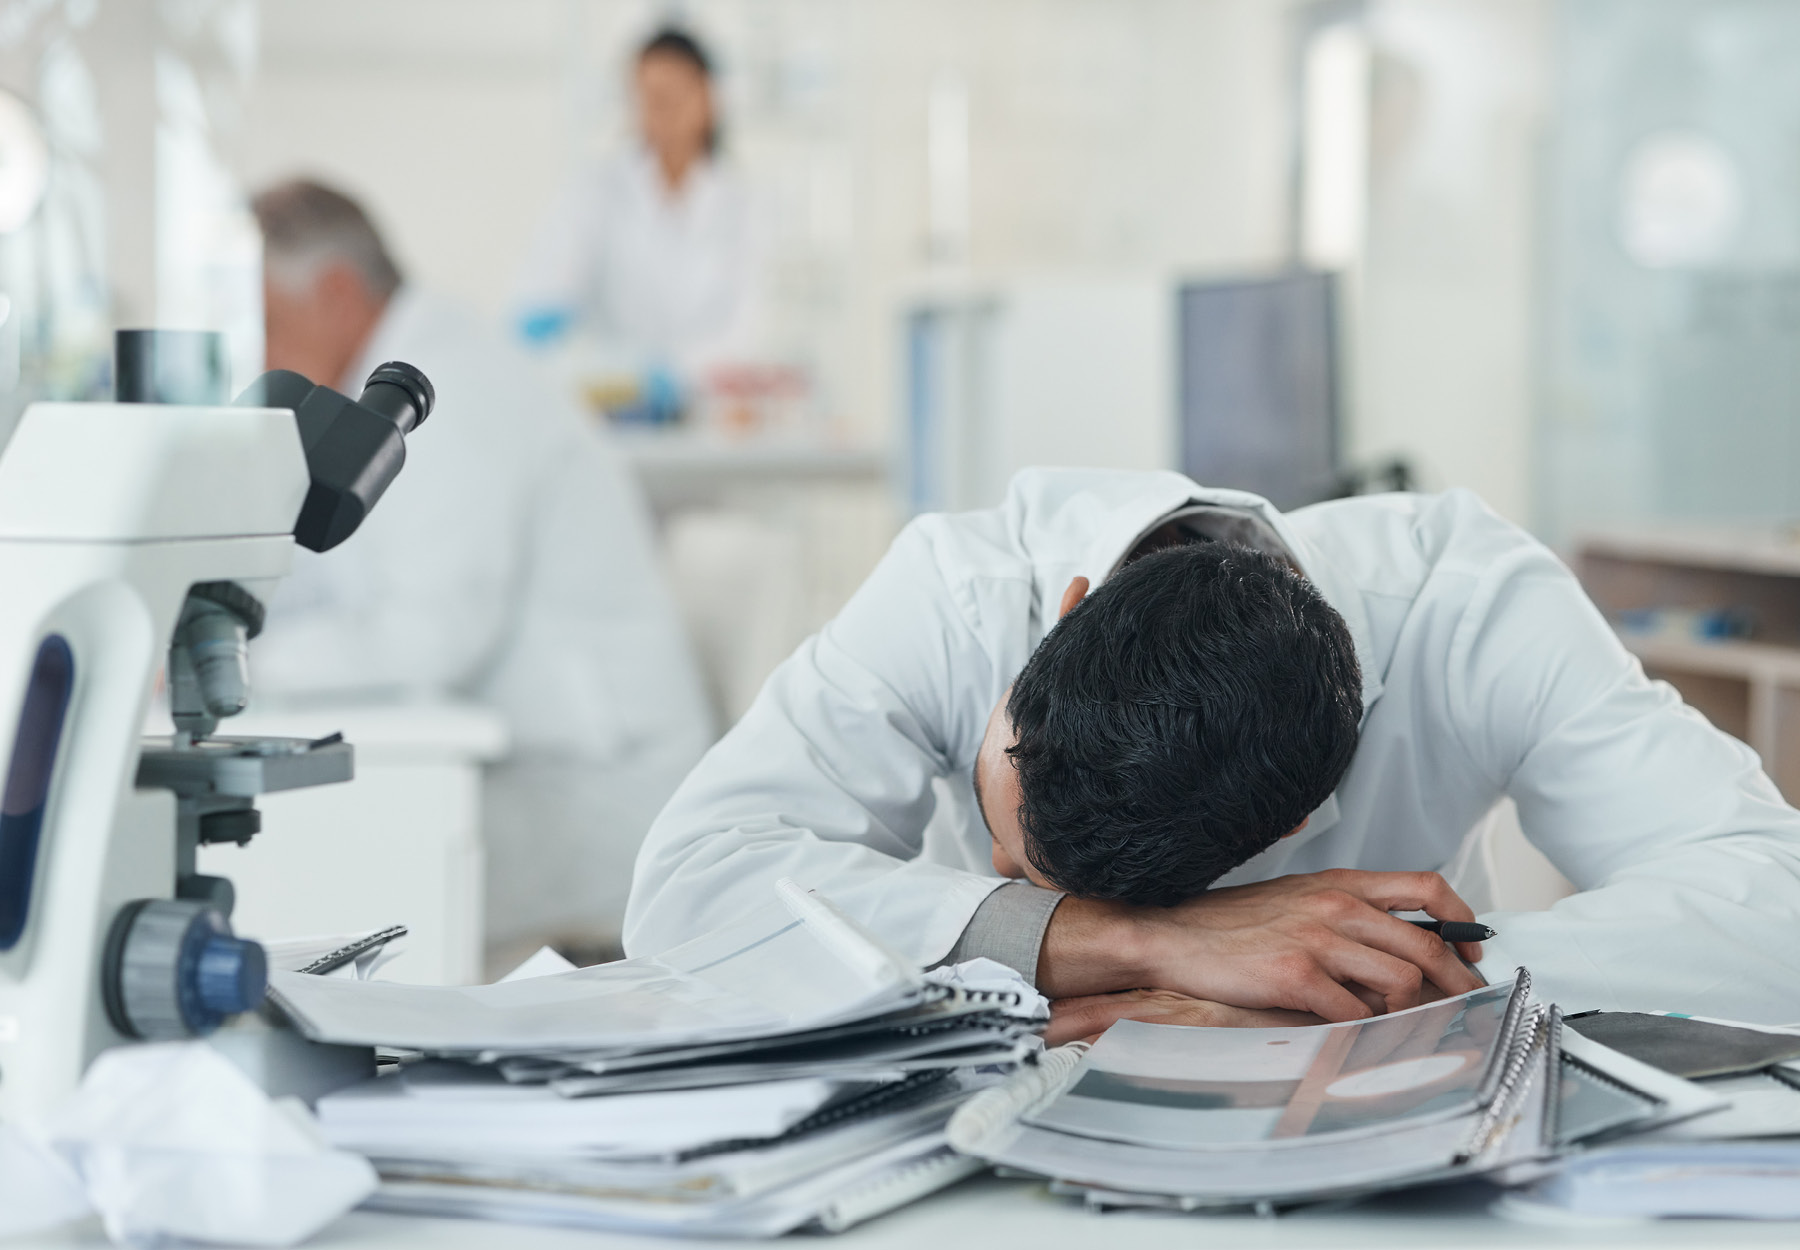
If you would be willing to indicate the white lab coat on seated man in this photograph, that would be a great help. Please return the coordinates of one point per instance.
(1486, 673)
(511, 562)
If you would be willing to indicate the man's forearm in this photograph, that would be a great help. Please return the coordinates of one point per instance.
(1296, 943)
(1092, 947)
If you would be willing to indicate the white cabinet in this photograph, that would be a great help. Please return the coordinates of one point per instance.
(1046, 370)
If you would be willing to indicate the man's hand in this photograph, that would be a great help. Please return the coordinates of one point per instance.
(1293, 943)
(1088, 1017)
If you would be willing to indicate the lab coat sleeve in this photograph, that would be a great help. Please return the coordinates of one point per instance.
(827, 779)
(415, 610)
(741, 292)
(1686, 857)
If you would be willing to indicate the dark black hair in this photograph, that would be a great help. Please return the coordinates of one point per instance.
(1179, 720)
(678, 43)
(673, 41)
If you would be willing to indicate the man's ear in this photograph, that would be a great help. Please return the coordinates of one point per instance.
(1076, 592)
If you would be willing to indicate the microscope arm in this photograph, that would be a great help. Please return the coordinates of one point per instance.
(354, 449)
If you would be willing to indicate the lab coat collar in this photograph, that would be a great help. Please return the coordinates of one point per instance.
(1101, 516)
(696, 186)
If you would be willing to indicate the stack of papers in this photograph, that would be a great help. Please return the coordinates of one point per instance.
(1153, 1115)
(1738, 1157)
(785, 1071)
(1714, 1181)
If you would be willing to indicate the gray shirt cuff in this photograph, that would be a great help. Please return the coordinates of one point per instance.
(1008, 928)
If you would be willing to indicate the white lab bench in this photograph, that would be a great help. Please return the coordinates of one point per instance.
(994, 1214)
(680, 469)
(400, 844)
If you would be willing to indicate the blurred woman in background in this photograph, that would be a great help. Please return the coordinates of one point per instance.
(650, 256)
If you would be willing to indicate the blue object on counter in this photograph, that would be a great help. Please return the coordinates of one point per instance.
(659, 402)
(543, 326)
(1697, 624)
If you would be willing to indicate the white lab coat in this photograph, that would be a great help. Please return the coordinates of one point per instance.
(510, 562)
(1487, 672)
(657, 279)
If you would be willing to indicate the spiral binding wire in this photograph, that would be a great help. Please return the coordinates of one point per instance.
(992, 1110)
(908, 1091)
(921, 1176)
(1553, 1102)
(1509, 1029)
(955, 993)
(351, 950)
(1522, 1047)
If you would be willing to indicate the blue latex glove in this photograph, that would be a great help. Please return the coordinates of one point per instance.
(542, 326)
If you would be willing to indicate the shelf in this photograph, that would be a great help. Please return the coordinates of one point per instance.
(679, 470)
(709, 456)
(1743, 549)
(1748, 689)
(1750, 661)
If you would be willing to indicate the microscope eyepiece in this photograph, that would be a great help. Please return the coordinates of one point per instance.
(354, 447)
(401, 393)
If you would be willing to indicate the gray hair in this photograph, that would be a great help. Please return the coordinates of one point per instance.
(306, 223)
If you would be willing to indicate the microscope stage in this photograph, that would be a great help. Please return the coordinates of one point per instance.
(243, 767)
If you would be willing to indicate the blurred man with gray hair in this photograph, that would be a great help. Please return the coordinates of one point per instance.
(511, 564)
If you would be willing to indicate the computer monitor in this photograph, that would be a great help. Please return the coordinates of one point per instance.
(1259, 385)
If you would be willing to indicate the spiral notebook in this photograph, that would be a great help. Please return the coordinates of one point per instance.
(1192, 1118)
(1249, 1089)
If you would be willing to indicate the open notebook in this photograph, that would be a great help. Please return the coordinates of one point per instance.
(1190, 1118)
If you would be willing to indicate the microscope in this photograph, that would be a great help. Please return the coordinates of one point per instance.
(132, 533)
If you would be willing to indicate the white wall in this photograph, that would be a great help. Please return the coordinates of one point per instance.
(1444, 297)
(1104, 136)
(447, 116)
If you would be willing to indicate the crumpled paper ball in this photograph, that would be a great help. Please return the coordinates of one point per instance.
(171, 1140)
(38, 1191)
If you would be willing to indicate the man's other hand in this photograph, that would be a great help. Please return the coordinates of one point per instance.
(1085, 1018)
(1294, 943)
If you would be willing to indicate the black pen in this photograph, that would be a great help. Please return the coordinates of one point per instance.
(1456, 930)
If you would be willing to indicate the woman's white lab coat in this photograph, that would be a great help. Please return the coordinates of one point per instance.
(662, 279)
(511, 562)
(1487, 673)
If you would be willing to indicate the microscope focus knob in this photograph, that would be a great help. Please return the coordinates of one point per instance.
(172, 969)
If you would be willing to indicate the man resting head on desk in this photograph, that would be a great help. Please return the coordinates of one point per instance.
(1214, 774)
